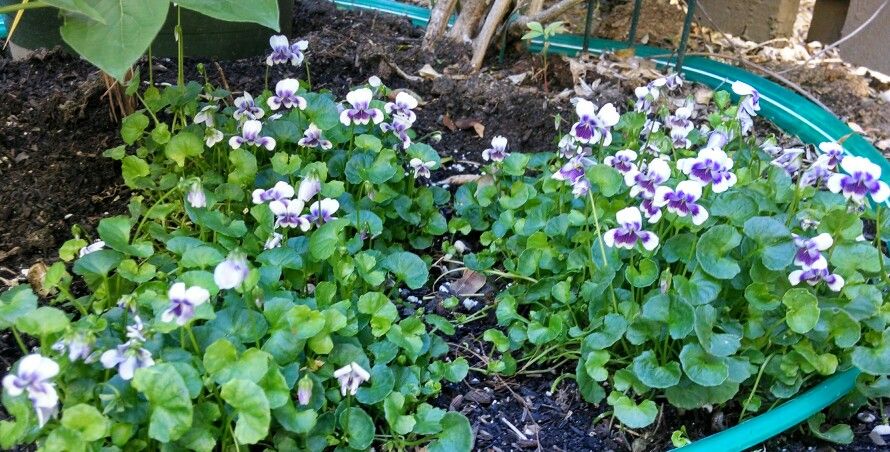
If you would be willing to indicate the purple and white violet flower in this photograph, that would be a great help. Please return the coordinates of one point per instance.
(630, 231)
(682, 201)
(231, 272)
(814, 276)
(863, 179)
(250, 135)
(644, 182)
(568, 147)
(624, 161)
(184, 301)
(650, 210)
(289, 214)
(361, 111)
(498, 150)
(281, 190)
(79, 346)
(790, 160)
(309, 187)
(205, 116)
(127, 357)
(399, 127)
(283, 51)
(34, 375)
(593, 126)
(832, 152)
(809, 251)
(286, 95)
(245, 107)
(403, 105)
(321, 212)
(351, 376)
(712, 166)
(421, 168)
(212, 137)
(314, 138)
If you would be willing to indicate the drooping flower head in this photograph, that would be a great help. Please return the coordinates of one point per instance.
(212, 137)
(309, 187)
(289, 214)
(297, 50)
(682, 118)
(231, 272)
(205, 116)
(817, 173)
(250, 136)
(361, 111)
(712, 166)
(286, 95)
(814, 276)
(399, 127)
(322, 211)
(281, 190)
(749, 105)
(644, 181)
(833, 152)
(862, 179)
(34, 375)
(351, 377)
(682, 201)
(246, 107)
(717, 139)
(580, 187)
(790, 160)
(79, 346)
(314, 138)
(421, 168)
(274, 241)
(196, 196)
(403, 105)
(498, 150)
(184, 301)
(809, 251)
(91, 248)
(304, 390)
(593, 126)
(624, 161)
(630, 231)
(650, 210)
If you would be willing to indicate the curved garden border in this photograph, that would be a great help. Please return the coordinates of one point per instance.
(790, 112)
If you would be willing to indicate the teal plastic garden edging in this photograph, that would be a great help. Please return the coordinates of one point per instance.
(789, 111)
(2, 27)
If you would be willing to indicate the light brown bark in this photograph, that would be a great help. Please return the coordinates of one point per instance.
(496, 15)
(438, 22)
(467, 23)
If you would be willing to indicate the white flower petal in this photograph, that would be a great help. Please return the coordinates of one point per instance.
(629, 215)
(823, 241)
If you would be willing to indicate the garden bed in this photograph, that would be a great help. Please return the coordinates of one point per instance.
(348, 49)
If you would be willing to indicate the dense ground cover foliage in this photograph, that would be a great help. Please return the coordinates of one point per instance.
(668, 251)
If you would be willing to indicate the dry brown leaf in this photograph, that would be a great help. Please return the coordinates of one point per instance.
(461, 179)
(447, 122)
(428, 72)
(36, 275)
(480, 129)
(469, 283)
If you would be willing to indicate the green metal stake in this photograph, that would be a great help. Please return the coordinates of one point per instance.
(634, 21)
(684, 38)
(587, 25)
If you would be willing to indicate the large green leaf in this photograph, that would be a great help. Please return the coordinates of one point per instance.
(15, 303)
(648, 370)
(168, 396)
(359, 428)
(77, 6)
(252, 407)
(263, 12)
(630, 414)
(130, 27)
(408, 268)
(703, 368)
(803, 310)
(713, 250)
(456, 435)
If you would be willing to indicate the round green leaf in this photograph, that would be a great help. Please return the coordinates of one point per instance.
(802, 310)
(713, 249)
(648, 370)
(702, 367)
(645, 273)
(407, 267)
(86, 420)
(456, 435)
(252, 407)
(168, 397)
(632, 415)
(359, 428)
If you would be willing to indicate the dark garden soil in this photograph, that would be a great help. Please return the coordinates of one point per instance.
(55, 125)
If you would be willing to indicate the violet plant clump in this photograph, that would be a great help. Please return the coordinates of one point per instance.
(684, 258)
(252, 295)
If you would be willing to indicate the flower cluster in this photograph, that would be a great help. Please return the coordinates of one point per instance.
(283, 51)
(813, 265)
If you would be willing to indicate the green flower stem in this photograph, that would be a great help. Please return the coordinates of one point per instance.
(510, 275)
(878, 243)
(308, 76)
(754, 388)
(794, 203)
(157, 203)
(194, 341)
(22, 6)
(18, 340)
(559, 380)
(599, 234)
(151, 72)
(266, 79)
(180, 54)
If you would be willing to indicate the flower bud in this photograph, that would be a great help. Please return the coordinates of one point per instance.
(304, 390)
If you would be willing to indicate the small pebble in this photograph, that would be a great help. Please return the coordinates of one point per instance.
(67, 216)
(413, 299)
(880, 434)
(470, 303)
(866, 417)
